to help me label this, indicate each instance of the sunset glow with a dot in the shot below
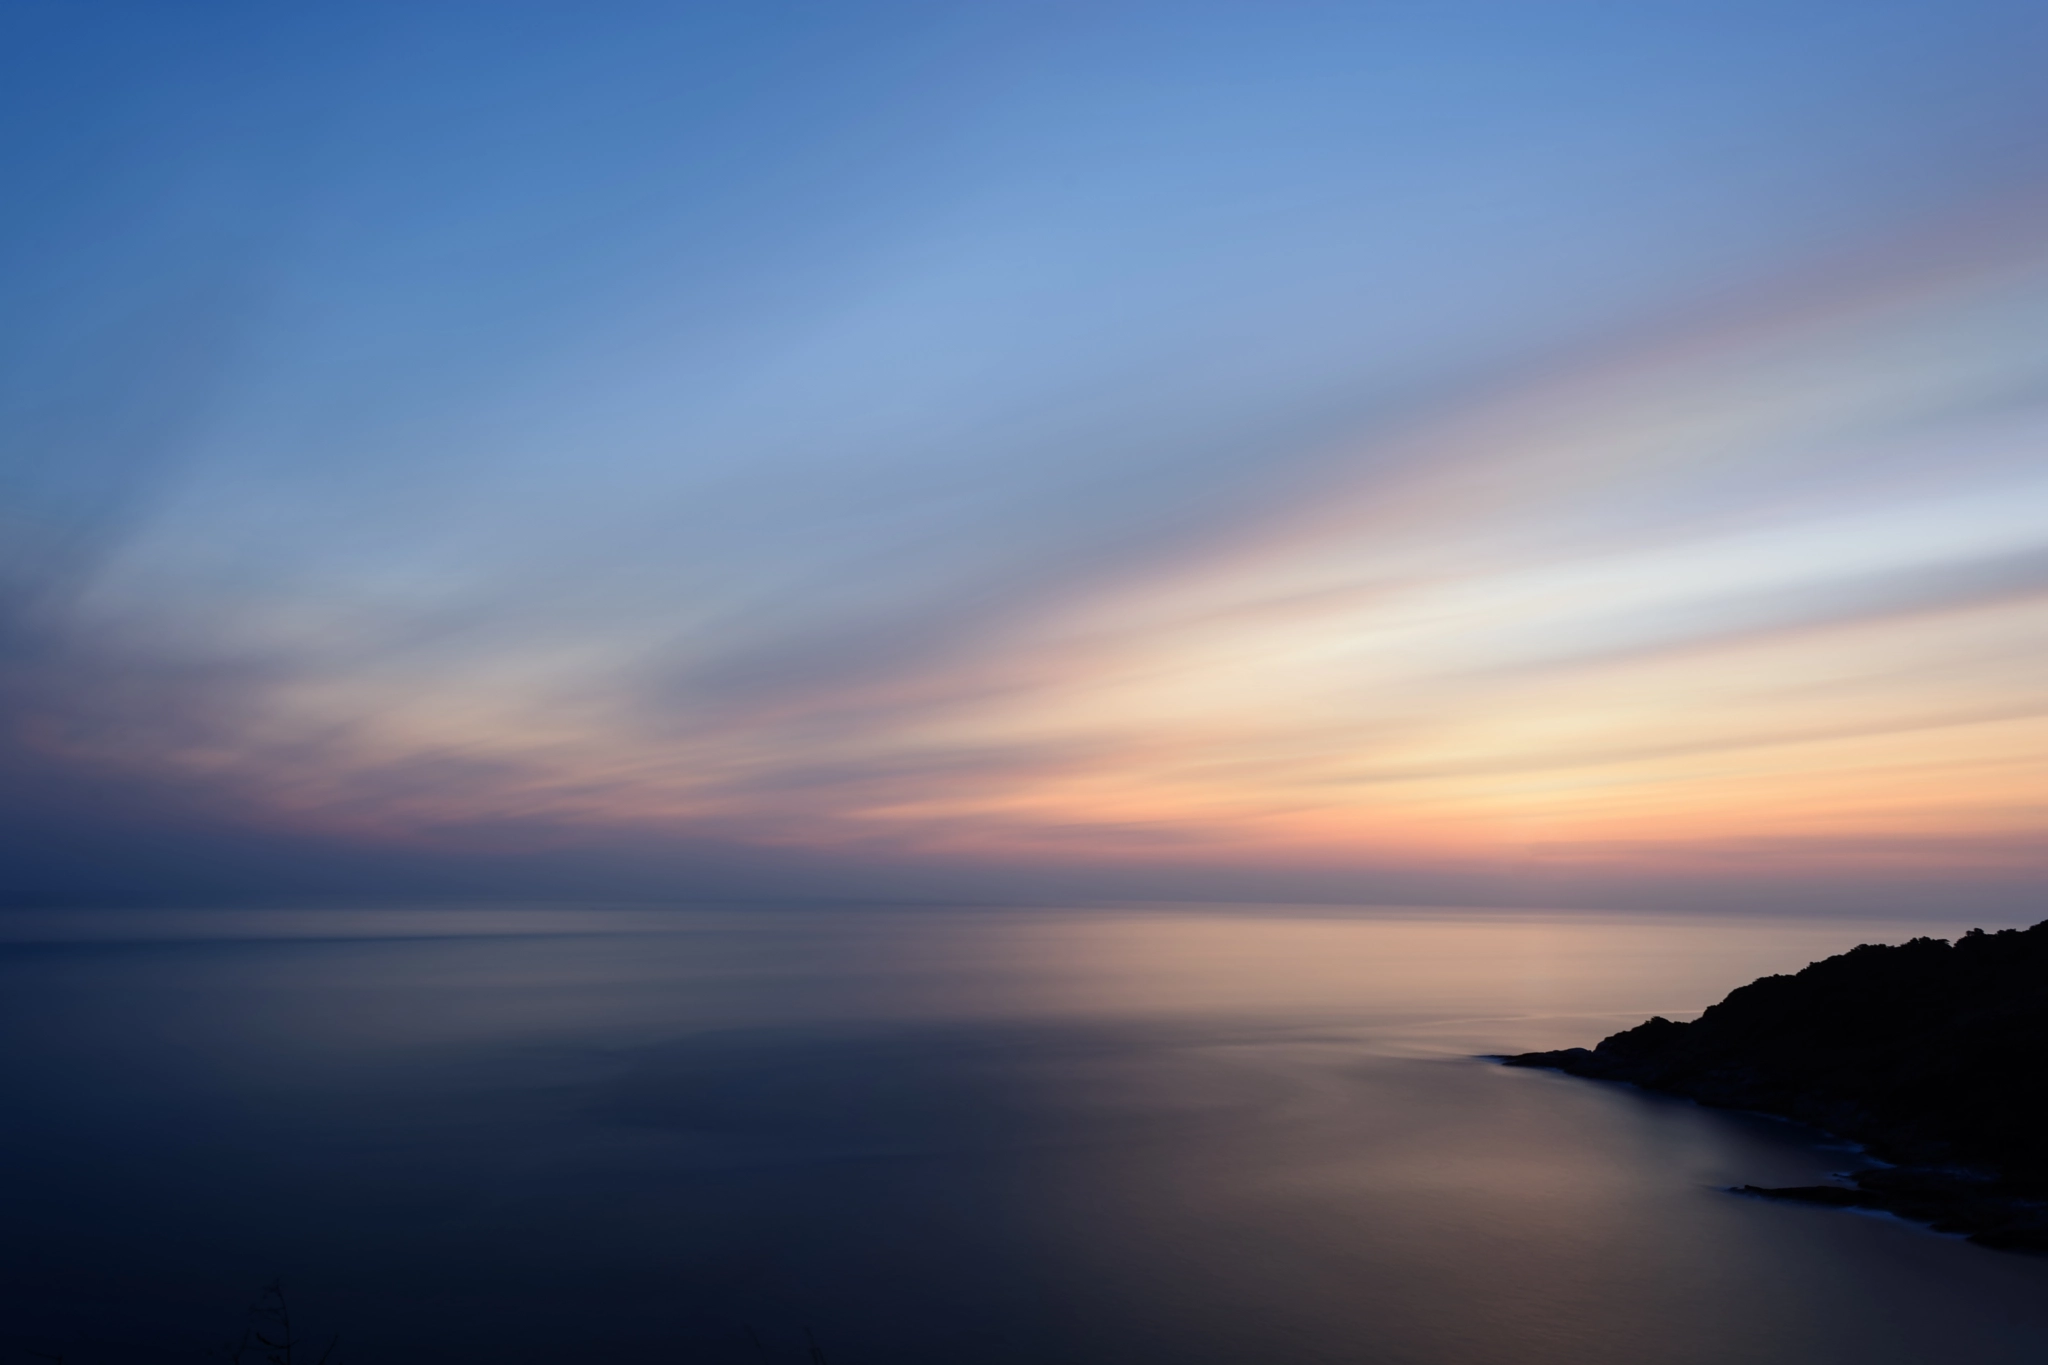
(1105, 489)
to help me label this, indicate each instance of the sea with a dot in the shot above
(884, 1135)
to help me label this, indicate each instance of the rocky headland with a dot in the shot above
(1933, 1055)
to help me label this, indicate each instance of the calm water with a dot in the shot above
(958, 1137)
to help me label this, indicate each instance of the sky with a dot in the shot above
(1438, 453)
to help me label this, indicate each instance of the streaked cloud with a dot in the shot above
(1027, 466)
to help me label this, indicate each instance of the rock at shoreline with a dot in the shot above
(1932, 1054)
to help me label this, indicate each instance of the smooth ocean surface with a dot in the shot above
(1107, 1136)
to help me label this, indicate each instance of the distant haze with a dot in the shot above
(1562, 454)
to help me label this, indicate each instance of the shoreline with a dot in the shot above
(1978, 1204)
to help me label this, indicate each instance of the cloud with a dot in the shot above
(508, 514)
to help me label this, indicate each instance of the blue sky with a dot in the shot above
(1578, 450)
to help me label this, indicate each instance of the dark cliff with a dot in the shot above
(1932, 1054)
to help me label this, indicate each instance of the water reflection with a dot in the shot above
(927, 1136)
